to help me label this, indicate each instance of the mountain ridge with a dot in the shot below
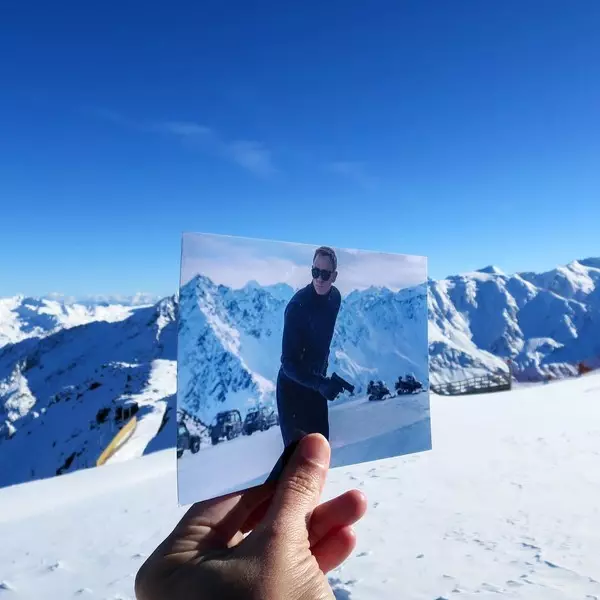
(49, 401)
(230, 341)
(26, 316)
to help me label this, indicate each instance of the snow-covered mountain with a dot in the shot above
(230, 341)
(23, 317)
(138, 299)
(504, 506)
(50, 397)
(546, 323)
(59, 393)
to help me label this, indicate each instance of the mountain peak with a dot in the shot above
(200, 281)
(491, 270)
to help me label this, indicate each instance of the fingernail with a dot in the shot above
(315, 448)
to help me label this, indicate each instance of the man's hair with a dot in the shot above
(329, 252)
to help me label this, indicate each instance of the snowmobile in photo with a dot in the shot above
(409, 385)
(186, 440)
(377, 391)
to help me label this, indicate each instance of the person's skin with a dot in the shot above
(292, 541)
(323, 262)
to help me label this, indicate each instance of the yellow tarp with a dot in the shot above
(117, 441)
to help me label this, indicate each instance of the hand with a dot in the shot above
(329, 389)
(293, 541)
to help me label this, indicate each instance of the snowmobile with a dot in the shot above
(378, 391)
(408, 386)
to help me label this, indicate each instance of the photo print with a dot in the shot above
(277, 340)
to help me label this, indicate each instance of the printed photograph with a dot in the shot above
(277, 340)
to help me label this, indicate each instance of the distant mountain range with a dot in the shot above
(22, 317)
(546, 323)
(65, 367)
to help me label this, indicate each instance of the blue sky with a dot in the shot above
(466, 131)
(236, 261)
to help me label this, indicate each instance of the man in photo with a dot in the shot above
(303, 388)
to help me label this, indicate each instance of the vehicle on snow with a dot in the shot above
(260, 419)
(377, 391)
(409, 385)
(186, 440)
(227, 424)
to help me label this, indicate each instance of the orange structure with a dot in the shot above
(582, 368)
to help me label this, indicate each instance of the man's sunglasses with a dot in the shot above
(323, 273)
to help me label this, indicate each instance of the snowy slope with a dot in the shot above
(230, 341)
(360, 431)
(53, 391)
(22, 317)
(505, 506)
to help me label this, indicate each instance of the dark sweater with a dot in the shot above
(307, 333)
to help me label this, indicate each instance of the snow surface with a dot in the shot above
(359, 431)
(504, 506)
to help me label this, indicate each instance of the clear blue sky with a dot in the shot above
(467, 131)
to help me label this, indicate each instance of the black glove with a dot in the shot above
(329, 388)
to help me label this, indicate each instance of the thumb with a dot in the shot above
(300, 485)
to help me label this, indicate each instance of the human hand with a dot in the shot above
(292, 544)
